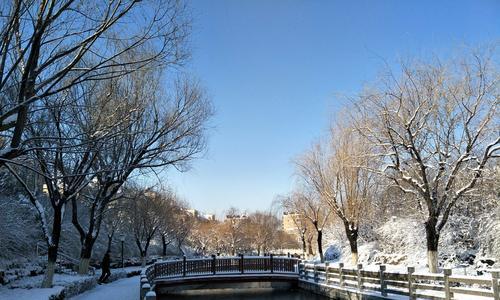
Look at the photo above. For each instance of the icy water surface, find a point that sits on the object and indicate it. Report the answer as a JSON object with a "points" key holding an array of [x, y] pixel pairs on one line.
{"points": [[255, 294]]}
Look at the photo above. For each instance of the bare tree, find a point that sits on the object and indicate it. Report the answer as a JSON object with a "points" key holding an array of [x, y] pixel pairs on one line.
{"points": [[184, 226], [435, 126], [114, 221], [144, 219], [232, 231], [171, 210], [163, 130], [341, 176], [203, 236], [262, 230], [303, 227], [65, 138], [48, 46], [308, 204]]}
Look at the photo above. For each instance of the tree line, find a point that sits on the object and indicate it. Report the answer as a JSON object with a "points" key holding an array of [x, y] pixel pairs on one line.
{"points": [[256, 233], [423, 137]]}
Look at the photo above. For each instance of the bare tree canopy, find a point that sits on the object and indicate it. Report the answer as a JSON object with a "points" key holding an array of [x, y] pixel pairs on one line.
{"points": [[309, 205], [435, 126], [48, 46], [338, 174]]}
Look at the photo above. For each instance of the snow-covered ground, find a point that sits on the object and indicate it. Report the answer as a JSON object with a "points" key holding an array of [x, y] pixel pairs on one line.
{"points": [[29, 287], [400, 242], [29, 294], [122, 289]]}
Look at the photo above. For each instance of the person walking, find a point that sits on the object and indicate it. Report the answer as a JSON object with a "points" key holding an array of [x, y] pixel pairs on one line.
{"points": [[105, 265]]}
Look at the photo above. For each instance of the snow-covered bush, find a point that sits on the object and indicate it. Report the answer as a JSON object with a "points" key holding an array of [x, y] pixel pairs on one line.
{"points": [[401, 241], [333, 253]]}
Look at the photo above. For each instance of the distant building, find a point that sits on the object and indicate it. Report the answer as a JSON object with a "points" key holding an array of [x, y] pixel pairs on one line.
{"points": [[209, 217], [290, 221], [199, 215], [193, 213], [236, 217]]}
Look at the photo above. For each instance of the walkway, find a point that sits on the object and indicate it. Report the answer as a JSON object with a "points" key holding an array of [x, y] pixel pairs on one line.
{"points": [[122, 289]]}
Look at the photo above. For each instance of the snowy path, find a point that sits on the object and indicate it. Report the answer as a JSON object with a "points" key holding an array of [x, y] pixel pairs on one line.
{"points": [[122, 289]]}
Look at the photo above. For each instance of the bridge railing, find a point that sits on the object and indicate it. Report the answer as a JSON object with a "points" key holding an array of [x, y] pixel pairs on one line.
{"points": [[222, 265], [412, 284]]}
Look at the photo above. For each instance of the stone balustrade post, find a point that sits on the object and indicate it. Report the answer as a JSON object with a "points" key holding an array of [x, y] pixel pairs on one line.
{"points": [[144, 289], [360, 277], [383, 283], [447, 291], [411, 291], [316, 275], [301, 270], [495, 275], [341, 274], [151, 295], [327, 265]]}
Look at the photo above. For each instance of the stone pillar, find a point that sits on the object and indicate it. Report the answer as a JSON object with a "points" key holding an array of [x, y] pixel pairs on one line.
{"points": [[360, 277], [341, 274], [383, 284], [316, 274], [447, 292], [144, 289], [495, 275], [151, 295], [327, 265], [411, 291]]}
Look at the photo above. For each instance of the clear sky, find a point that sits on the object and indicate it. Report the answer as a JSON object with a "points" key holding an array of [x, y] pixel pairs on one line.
{"points": [[274, 70]]}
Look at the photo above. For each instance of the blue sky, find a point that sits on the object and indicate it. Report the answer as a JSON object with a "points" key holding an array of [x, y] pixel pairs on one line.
{"points": [[275, 70]]}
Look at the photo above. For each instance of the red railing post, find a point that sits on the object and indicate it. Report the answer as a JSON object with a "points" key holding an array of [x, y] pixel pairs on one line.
{"points": [[241, 264], [184, 266], [271, 262], [213, 263]]}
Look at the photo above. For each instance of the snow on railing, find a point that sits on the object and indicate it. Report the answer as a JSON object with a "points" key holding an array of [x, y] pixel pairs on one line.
{"points": [[411, 284], [227, 265], [222, 265]]}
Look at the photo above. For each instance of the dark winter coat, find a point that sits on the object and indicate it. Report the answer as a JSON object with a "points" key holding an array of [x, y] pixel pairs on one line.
{"points": [[106, 261]]}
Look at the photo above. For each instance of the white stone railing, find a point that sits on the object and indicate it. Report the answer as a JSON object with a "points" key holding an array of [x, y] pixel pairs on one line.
{"points": [[410, 283]]}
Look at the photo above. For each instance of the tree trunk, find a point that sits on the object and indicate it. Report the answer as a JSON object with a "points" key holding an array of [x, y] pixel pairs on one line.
{"points": [[85, 254], [310, 248], [304, 245], [432, 236], [143, 259], [179, 245], [351, 231], [53, 248], [51, 266], [320, 245]]}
